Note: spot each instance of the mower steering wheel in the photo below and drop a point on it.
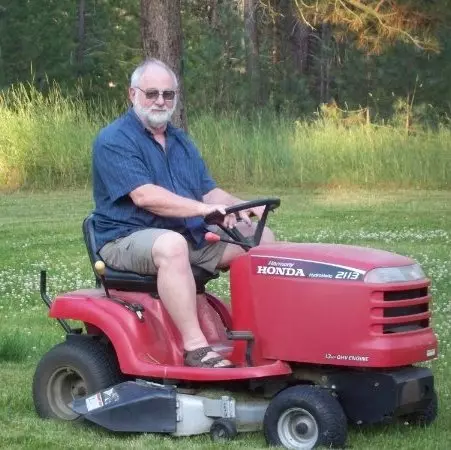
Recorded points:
(216, 218)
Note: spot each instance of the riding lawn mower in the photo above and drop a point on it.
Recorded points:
(321, 336)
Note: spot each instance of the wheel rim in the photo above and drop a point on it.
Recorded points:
(297, 429)
(65, 385)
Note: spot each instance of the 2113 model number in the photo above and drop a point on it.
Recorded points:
(347, 275)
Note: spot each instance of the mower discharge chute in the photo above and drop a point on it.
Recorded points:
(320, 334)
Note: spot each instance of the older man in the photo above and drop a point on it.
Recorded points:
(152, 191)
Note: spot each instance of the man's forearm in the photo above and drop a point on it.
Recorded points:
(218, 195)
(162, 202)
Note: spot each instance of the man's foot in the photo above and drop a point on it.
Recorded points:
(206, 358)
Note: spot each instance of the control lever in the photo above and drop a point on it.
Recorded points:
(213, 237)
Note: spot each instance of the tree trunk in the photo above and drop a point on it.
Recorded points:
(276, 74)
(301, 47)
(276, 33)
(213, 13)
(325, 62)
(252, 49)
(80, 37)
(161, 37)
(313, 54)
(296, 38)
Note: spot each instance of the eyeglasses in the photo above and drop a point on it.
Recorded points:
(153, 94)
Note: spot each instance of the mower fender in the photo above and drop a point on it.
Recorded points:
(147, 343)
(132, 338)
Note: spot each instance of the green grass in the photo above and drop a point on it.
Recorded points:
(45, 142)
(280, 152)
(43, 230)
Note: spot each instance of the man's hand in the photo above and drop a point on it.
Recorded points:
(246, 214)
(229, 221)
(258, 211)
(218, 197)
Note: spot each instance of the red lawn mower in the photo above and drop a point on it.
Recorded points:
(320, 334)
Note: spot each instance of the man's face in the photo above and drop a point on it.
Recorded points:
(154, 97)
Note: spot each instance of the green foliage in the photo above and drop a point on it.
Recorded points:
(39, 44)
(214, 58)
(402, 72)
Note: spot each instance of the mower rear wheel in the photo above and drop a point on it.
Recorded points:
(73, 369)
(304, 417)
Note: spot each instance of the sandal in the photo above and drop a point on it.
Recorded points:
(196, 358)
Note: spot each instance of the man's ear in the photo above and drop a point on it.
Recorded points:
(131, 94)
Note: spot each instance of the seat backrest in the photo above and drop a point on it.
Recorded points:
(90, 241)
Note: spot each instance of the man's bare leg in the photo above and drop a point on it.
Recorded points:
(177, 289)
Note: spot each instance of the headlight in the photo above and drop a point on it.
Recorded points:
(395, 274)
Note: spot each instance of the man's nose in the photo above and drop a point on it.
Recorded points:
(160, 100)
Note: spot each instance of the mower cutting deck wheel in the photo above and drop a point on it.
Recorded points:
(70, 370)
(304, 417)
(223, 430)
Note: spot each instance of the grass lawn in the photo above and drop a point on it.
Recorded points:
(43, 230)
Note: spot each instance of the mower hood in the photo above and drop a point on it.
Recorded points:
(361, 258)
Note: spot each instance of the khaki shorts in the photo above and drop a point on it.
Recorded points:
(133, 252)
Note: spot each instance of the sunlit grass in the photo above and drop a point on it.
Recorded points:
(45, 142)
(280, 152)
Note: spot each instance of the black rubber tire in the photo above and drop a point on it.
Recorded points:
(223, 430)
(426, 416)
(78, 367)
(305, 417)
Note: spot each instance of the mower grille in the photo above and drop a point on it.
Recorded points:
(391, 296)
(406, 310)
(402, 328)
(412, 311)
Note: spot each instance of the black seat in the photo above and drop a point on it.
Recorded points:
(131, 281)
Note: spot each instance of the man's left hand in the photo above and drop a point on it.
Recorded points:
(246, 214)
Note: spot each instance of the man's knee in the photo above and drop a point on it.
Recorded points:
(268, 236)
(169, 248)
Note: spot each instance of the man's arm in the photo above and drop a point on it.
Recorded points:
(164, 203)
(217, 195)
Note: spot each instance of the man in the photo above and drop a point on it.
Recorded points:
(152, 191)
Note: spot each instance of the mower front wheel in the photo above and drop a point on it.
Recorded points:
(305, 417)
(73, 369)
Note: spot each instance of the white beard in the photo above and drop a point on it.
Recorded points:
(154, 117)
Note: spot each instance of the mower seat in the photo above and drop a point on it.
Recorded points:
(131, 281)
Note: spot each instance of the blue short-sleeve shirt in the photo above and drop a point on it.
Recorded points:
(126, 156)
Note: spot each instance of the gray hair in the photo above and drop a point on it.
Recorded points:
(137, 73)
